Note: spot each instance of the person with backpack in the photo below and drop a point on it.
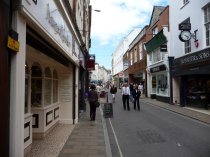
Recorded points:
(113, 91)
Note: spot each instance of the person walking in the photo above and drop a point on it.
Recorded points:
(98, 89)
(131, 92)
(141, 88)
(92, 98)
(136, 95)
(113, 91)
(126, 93)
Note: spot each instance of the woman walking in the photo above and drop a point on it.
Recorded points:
(136, 95)
(92, 98)
(113, 91)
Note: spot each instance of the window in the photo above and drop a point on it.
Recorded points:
(155, 31)
(207, 24)
(27, 78)
(162, 84)
(187, 44)
(131, 58)
(135, 59)
(140, 49)
(55, 86)
(157, 56)
(185, 1)
(36, 86)
(47, 87)
(153, 84)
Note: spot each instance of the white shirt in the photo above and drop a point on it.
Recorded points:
(140, 87)
(125, 88)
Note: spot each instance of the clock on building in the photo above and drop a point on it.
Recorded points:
(185, 35)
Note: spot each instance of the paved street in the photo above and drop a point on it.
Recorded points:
(155, 132)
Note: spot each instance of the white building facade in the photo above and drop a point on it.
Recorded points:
(191, 64)
(44, 73)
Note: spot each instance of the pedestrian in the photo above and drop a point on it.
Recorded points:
(136, 95)
(141, 88)
(126, 93)
(98, 89)
(92, 98)
(131, 92)
(113, 91)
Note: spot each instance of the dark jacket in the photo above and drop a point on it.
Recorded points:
(92, 95)
(131, 87)
(136, 94)
(113, 90)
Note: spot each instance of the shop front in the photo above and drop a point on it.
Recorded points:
(193, 74)
(159, 83)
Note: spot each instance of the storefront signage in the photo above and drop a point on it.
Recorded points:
(59, 29)
(91, 62)
(163, 48)
(158, 69)
(126, 64)
(13, 44)
(120, 74)
(185, 26)
(195, 57)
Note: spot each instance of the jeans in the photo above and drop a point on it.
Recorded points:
(92, 109)
(131, 95)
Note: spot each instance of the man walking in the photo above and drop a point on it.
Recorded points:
(141, 89)
(126, 93)
(113, 91)
(131, 92)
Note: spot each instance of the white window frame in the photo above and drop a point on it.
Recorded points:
(155, 31)
(140, 52)
(135, 53)
(131, 58)
(207, 24)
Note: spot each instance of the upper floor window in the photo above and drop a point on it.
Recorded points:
(185, 1)
(135, 59)
(207, 24)
(131, 58)
(140, 50)
(155, 31)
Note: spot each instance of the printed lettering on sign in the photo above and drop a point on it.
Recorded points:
(194, 58)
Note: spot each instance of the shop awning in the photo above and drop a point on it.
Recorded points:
(155, 42)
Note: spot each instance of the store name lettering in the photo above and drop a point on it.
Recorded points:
(58, 29)
(156, 69)
(200, 56)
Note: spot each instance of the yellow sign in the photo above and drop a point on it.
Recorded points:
(13, 44)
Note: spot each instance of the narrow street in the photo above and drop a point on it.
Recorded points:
(155, 132)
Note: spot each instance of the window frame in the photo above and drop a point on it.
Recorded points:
(135, 55)
(131, 58)
(140, 52)
(207, 24)
(155, 31)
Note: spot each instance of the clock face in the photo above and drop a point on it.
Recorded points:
(185, 35)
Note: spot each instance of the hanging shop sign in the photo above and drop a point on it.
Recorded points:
(158, 69)
(13, 44)
(120, 74)
(163, 48)
(185, 26)
(126, 64)
(91, 62)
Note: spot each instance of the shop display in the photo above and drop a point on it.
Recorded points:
(36, 92)
(47, 92)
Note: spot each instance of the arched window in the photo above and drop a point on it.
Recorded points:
(36, 85)
(47, 86)
(55, 86)
(27, 76)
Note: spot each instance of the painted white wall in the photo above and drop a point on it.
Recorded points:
(121, 50)
(193, 10)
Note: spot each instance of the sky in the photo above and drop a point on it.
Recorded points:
(115, 21)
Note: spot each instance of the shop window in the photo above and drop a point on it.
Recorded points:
(140, 48)
(153, 85)
(26, 87)
(36, 86)
(47, 87)
(55, 86)
(207, 24)
(162, 84)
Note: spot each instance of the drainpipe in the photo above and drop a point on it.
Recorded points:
(170, 59)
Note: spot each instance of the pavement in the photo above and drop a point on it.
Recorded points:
(90, 138)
